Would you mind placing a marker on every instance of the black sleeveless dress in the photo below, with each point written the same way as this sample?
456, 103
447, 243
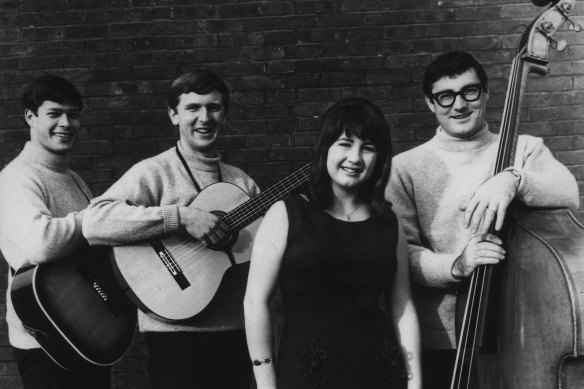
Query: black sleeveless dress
335, 335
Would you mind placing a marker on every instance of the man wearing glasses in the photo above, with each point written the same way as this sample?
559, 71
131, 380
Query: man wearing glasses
446, 197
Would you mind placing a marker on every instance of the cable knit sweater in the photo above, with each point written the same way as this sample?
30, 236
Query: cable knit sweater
144, 202
427, 186
40, 218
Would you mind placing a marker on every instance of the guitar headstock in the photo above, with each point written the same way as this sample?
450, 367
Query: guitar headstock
538, 38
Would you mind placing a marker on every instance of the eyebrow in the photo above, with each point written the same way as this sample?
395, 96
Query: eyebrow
199, 105
63, 110
452, 90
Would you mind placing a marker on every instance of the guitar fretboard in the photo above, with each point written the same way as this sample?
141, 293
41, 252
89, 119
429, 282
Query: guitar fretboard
249, 211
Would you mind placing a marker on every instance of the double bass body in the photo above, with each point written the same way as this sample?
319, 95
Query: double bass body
540, 334
535, 338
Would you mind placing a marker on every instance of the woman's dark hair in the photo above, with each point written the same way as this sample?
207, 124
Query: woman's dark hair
451, 64
50, 88
360, 118
201, 82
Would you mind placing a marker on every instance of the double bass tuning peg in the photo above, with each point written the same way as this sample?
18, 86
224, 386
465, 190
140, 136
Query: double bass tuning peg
565, 10
545, 29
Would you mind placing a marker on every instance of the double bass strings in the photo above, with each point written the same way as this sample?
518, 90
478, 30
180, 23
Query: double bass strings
480, 279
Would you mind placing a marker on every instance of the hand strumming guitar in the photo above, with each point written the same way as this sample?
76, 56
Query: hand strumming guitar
202, 225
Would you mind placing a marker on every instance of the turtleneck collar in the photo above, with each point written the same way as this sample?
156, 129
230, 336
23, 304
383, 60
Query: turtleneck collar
36, 154
200, 162
482, 138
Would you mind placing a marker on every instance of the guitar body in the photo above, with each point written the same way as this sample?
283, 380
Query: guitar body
75, 310
209, 293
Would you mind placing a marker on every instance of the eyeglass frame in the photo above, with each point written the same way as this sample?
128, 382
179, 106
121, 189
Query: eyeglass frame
481, 87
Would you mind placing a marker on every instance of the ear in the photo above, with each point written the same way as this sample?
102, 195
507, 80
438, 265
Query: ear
173, 115
487, 92
29, 116
430, 104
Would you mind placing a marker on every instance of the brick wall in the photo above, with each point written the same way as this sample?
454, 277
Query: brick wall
286, 62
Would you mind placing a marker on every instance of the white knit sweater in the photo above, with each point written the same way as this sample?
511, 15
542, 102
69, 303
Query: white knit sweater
144, 202
427, 186
40, 218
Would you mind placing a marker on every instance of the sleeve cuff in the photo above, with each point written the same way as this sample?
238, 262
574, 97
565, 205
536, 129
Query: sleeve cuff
171, 219
526, 188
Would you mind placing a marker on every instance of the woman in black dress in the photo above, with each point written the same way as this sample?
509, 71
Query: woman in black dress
334, 255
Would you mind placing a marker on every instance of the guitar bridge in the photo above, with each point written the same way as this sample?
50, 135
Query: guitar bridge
96, 283
170, 264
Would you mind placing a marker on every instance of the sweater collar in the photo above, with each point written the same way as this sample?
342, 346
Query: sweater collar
200, 162
482, 138
39, 155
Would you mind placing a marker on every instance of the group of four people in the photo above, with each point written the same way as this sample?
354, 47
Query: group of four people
367, 224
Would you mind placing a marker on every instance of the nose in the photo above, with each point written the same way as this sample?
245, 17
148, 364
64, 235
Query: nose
354, 154
459, 103
203, 115
64, 120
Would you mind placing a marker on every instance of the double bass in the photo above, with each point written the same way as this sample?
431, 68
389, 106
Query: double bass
520, 324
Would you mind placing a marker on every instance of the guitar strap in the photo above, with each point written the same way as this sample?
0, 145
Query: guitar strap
80, 188
197, 186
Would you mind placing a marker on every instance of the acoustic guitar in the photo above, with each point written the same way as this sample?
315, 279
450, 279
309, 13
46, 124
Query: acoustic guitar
74, 309
178, 279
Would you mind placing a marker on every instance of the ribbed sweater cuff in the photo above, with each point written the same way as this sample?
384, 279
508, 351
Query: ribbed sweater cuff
446, 274
170, 217
526, 188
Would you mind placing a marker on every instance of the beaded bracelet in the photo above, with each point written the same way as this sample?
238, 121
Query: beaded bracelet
256, 362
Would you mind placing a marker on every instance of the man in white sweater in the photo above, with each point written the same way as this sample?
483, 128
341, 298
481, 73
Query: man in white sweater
41, 211
152, 199
446, 197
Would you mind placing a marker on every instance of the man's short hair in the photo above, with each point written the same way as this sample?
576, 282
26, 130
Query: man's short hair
51, 88
201, 82
451, 64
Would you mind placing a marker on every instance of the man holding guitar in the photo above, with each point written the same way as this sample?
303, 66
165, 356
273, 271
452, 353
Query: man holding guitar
41, 210
152, 200
446, 197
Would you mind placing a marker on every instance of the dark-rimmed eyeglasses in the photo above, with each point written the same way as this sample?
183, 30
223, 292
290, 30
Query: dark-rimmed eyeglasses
469, 93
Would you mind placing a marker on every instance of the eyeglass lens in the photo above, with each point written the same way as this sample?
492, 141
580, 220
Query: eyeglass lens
470, 93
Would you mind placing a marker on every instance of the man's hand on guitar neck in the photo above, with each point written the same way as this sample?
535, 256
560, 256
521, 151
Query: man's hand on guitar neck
202, 225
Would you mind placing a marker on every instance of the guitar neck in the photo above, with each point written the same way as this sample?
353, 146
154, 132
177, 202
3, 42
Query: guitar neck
258, 205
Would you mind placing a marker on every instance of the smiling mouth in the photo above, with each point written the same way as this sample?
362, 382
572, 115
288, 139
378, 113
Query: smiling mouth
462, 116
351, 170
204, 130
64, 135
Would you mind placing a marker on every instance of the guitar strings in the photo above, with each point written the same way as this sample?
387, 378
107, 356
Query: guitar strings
261, 197
242, 213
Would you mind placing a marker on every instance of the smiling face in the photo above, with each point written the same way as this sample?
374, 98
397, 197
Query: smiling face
464, 118
199, 119
350, 162
54, 127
